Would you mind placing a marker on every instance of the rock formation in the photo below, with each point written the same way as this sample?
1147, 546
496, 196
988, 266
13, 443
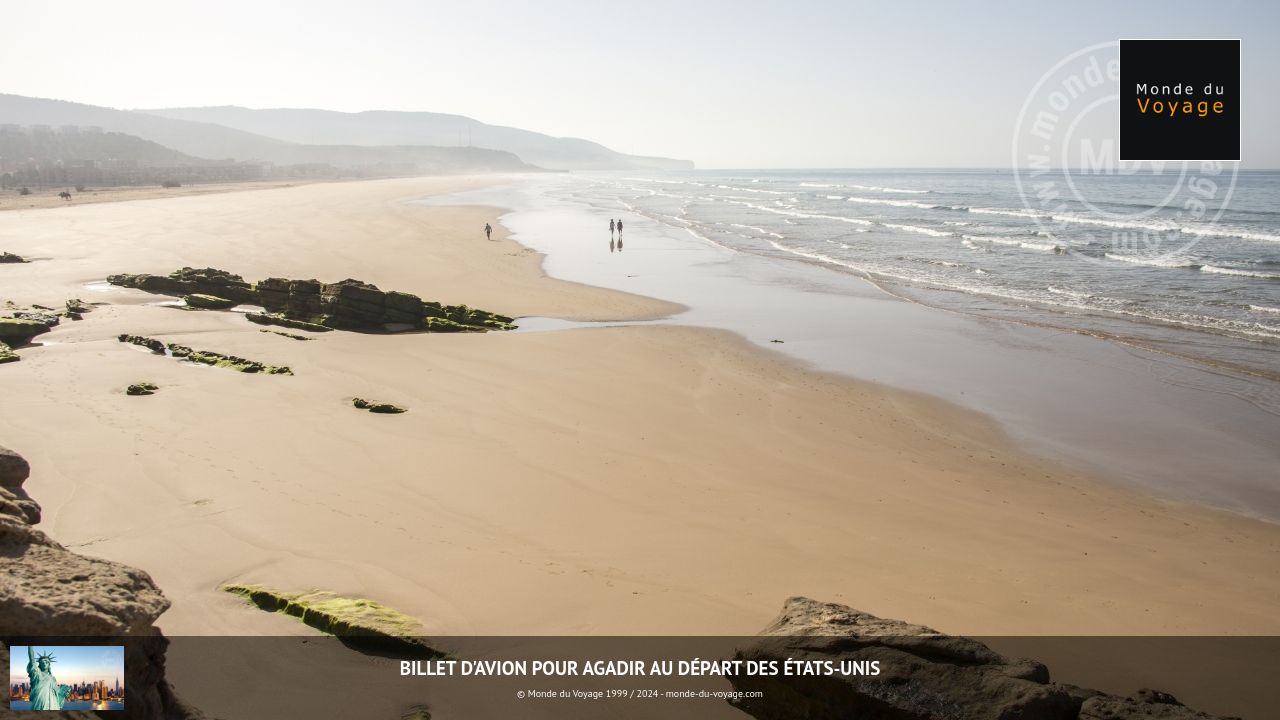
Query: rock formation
377, 407
191, 281
924, 675
312, 305
19, 331
7, 355
361, 623
51, 592
151, 344
206, 357
8, 257
208, 302
142, 388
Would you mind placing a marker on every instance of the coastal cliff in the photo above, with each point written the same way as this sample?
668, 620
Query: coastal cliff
49, 594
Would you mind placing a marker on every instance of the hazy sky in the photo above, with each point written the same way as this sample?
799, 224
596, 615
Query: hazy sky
724, 83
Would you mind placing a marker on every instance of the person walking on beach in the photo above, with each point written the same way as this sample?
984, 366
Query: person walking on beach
488, 231
610, 230
619, 229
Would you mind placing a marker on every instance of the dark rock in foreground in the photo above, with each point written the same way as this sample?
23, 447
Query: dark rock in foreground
142, 388
7, 355
924, 675
8, 257
51, 592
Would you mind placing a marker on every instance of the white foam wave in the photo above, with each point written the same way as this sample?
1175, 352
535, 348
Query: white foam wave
1239, 273
1264, 309
895, 203
888, 189
1160, 261
918, 229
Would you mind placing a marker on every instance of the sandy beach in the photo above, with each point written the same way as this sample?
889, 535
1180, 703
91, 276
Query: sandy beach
630, 480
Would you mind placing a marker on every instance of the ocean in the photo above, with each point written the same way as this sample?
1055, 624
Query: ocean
1116, 257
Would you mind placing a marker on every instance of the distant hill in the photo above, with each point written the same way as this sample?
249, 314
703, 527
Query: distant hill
383, 127
17, 146
216, 142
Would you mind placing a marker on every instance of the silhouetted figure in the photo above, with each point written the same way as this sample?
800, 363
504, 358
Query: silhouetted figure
619, 229
65, 195
488, 231
611, 229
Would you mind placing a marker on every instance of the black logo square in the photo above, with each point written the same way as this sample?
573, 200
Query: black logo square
1179, 99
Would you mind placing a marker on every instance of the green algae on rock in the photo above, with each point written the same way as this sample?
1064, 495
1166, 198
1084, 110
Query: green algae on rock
8, 257
378, 407
142, 388
18, 331
7, 355
208, 302
359, 622
270, 319
188, 281
281, 333
232, 362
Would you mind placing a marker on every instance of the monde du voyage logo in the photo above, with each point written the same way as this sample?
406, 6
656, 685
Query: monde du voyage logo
1180, 100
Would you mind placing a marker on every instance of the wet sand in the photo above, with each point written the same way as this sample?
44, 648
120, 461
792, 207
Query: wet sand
632, 480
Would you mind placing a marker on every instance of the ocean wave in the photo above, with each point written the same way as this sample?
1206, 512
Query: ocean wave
1239, 273
1264, 309
754, 228
1015, 242
889, 189
895, 203
817, 185
1160, 261
834, 197
957, 223
785, 210
918, 229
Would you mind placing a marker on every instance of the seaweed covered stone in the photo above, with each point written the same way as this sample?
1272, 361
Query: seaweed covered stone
189, 281
142, 388
208, 302
19, 331
377, 407
231, 362
7, 355
8, 257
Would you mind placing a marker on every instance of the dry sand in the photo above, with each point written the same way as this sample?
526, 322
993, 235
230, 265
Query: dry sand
40, 198
626, 480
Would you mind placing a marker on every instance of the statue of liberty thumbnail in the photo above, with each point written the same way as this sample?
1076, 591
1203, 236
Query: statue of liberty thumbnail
46, 693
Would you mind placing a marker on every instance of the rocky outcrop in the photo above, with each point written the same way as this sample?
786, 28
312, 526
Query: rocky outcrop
191, 281
7, 355
231, 362
151, 344
8, 257
312, 305
923, 675
377, 407
272, 319
359, 622
51, 592
355, 305
142, 388
291, 336
19, 331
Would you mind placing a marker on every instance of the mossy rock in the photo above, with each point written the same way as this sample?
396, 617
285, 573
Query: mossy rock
271, 319
359, 622
377, 407
281, 333
8, 257
231, 362
208, 302
15, 331
151, 344
7, 355
142, 388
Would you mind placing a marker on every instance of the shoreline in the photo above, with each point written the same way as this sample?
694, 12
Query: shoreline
1171, 427
617, 480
